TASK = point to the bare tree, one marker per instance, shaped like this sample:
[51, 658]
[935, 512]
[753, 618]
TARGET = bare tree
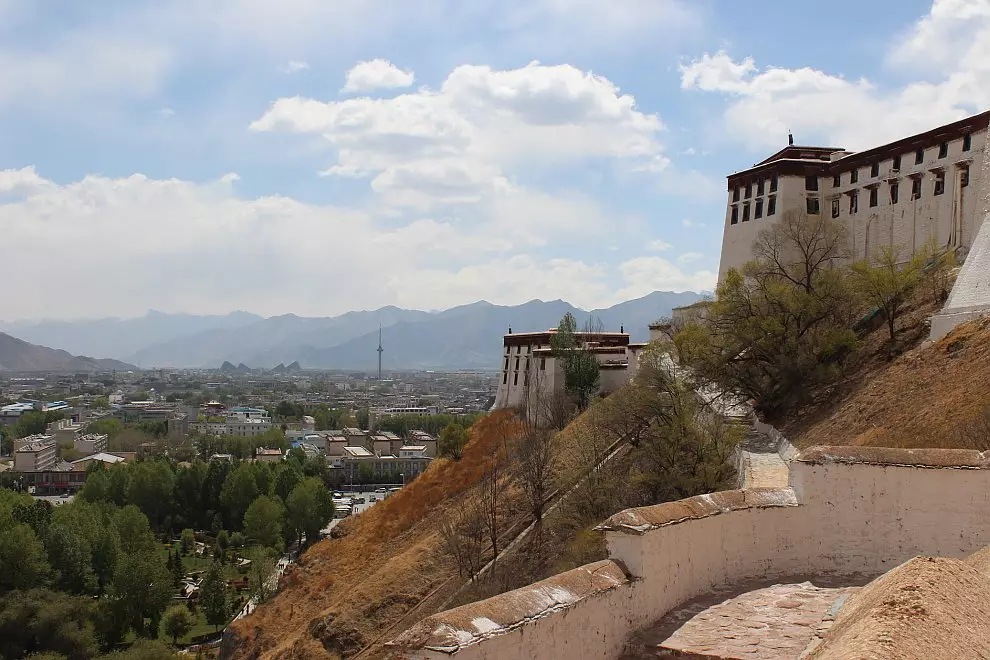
[536, 455]
[464, 536]
[546, 406]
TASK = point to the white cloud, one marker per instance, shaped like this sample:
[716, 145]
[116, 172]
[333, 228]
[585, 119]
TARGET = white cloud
[659, 246]
[689, 257]
[192, 246]
[819, 107]
[376, 74]
[455, 145]
[166, 112]
[295, 66]
[689, 223]
[644, 275]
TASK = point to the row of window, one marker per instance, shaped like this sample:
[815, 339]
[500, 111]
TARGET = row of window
[760, 184]
[757, 210]
[811, 182]
[508, 349]
[515, 379]
[917, 188]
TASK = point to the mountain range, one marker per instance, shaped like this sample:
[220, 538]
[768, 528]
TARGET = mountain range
[465, 337]
[18, 355]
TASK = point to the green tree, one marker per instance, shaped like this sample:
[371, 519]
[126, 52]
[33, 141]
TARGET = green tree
[580, 366]
[363, 417]
[135, 532]
[189, 482]
[23, 561]
[261, 574]
[366, 474]
[177, 570]
[287, 475]
[310, 508]
[177, 622]
[452, 440]
[187, 541]
[142, 589]
[97, 486]
[887, 283]
[213, 596]
[42, 621]
[263, 521]
[151, 486]
[239, 491]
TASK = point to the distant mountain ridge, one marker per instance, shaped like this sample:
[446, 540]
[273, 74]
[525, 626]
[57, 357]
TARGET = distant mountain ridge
[463, 337]
[19, 355]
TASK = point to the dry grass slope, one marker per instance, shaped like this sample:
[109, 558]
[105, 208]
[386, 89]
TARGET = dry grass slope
[344, 591]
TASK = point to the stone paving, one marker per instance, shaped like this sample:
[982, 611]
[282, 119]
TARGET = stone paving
[773, 623]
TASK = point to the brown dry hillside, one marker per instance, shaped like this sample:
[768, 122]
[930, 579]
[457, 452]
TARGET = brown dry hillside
[925, 397]
[345, 591]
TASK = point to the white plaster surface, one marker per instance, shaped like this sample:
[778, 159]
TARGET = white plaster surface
[853, 519]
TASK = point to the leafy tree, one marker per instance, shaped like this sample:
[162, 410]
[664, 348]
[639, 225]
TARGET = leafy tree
[237, 540]
[239, 491]
[452, 440]
[287, 475]
[189, 482]
[887, 283]
[30, 423]
[135, 532]
[310, 508]
[263, 521]
[261, 574]
[223, 540]
[23, 562]
[213, 596]
[97, 486]
[144, 649]
[177, 622]
[142, 589]
[187, 541]
[783, 323]
[366, 474]
[177, 570]
[363, 417]
[151, 486]
[580, 366]
[42, 621]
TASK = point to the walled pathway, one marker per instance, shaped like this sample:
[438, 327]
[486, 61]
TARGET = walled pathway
[760, 464]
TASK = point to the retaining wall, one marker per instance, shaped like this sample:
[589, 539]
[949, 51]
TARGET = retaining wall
[848, 511]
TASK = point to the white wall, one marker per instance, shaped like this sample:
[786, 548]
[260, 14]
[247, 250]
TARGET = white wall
[846, 518]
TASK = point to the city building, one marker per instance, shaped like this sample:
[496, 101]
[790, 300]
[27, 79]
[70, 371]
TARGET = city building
[91, 443]
[11, 413]
[907, 193]
[35, 454]
[376, 415]
[530, 371]
[80, 465]
[268, 455]
[382, 469]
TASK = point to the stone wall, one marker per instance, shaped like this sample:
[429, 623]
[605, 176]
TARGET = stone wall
[847, 511]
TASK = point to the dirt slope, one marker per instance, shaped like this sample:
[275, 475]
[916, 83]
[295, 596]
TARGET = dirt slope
[924, 398]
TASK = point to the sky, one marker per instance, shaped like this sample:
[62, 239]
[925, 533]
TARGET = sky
[320, 156]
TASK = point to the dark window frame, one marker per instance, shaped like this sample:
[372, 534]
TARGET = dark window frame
[943, 150]
[917, 188]
[836, 180]
[939, 187]
[735, 194]
[835, 208]
[967, 142]
[853, 202]
[749, 191]
[895, 192]
[811, 183]
[773, 183]
[771, 205]
[919, 156]
[875, 170]
[813, 206]
[896, 164]
[734, 216]
[758, 209]
[874, 197]
[759, 186]
[854, 175]
[745, 213]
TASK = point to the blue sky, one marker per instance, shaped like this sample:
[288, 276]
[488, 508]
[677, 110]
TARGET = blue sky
[318, 156]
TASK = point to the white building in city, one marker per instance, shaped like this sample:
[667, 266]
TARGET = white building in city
[35, 454]
[530, 370]
[907, 193]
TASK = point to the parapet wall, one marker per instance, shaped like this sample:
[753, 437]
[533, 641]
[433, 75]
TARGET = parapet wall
[848, 511]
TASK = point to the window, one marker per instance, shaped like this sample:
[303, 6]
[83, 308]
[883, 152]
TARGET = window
[894, 190]
[916, 188]
[515, 379]
[943, 150]
[518, 350]
[896, 165]
[735, 216]
[527, 364]
[813, 206]
[836, 180]
[506, 364]
[939, 183]
[967, 142]
[835, 208]
[529, 349]
[854, 176]
[964, 177]
[771, 205]
[853, 201]
[811, 183]
[749, 190]
[505, 377]
[874, 197]
[543, 364]
[746, 212]
[875, 169]
[507, 349]
[773, 183]
[517, 364]
[758, 211]
[735, 194]
[759, 187]
[919, 156]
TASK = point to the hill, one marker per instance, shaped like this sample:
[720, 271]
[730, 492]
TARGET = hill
[19, 355]
[112, 337]
[469, 337]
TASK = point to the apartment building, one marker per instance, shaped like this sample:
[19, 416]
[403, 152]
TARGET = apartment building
[35, 454]
[529, 368]
[91, 443]
[906, 193]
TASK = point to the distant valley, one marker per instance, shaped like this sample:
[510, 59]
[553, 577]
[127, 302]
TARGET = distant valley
[465, 337]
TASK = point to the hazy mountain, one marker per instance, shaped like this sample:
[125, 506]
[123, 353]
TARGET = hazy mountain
[18, 355]
[470, 336]
[267, 342]
[121, 337]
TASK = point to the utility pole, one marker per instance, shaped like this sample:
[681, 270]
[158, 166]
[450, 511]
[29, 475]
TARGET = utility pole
[380, 351]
